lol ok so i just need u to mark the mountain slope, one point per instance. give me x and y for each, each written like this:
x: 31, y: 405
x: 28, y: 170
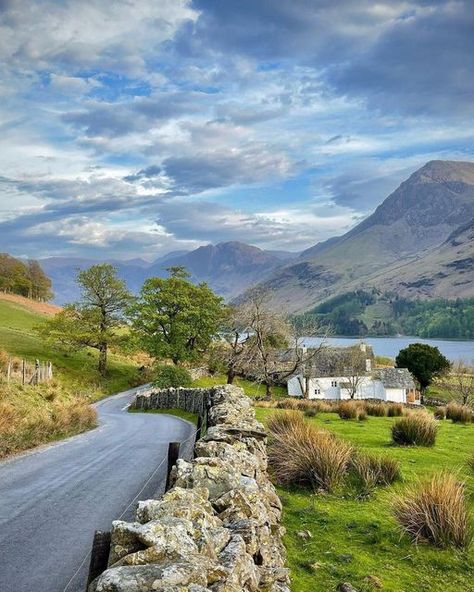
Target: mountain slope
x: 417, y: 217
x: 229, y: 268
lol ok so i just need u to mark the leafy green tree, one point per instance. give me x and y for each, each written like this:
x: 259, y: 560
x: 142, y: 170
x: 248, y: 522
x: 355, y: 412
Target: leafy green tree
x: 424, y: 361
x: 174, y: 318
x: 171, y: 376
x: 93, y: 320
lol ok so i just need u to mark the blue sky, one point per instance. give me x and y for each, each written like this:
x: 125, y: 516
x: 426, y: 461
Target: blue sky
x: 134, y: 128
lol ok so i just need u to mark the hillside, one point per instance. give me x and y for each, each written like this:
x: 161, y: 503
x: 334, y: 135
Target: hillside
x: 229, y: 268
x: 412, y: 226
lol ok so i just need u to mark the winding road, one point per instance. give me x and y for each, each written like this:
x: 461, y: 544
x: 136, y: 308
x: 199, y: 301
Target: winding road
x: 54, y: 498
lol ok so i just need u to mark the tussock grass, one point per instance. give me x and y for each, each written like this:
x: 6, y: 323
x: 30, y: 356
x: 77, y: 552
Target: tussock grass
x: 395, y: 410
x: 352, y: 410
x: 301, y: 454
x: 439, y: 413
x: 435, y: 511
x: 376, y: 409
x: 418, y: 428
x: 459, y: 413
x: 372, y: 470
x: 30, y: 416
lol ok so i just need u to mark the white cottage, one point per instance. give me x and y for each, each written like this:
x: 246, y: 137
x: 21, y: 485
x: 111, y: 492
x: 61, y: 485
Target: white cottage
x: 332, y: 379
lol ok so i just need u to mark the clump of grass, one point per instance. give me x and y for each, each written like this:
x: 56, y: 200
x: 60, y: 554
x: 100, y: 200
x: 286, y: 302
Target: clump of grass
x: 395, y: 410
x: 439, y: 413
x: 348, y: 410
x: 417, y: 428
x: 376, y: 409
x: 301, y: 454
x: 459, y: 413
x: 361, y: 414
x: 436, y: 512
x: 372, y: 470
x: 310, y: 412
x: 288, y: 404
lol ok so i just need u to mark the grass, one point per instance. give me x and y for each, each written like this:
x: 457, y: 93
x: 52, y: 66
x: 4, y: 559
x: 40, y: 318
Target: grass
x: 76, y: 370
x: 251, y: 389
x: 355, y: 540
x: 191, y: 417
x: 418, y: 428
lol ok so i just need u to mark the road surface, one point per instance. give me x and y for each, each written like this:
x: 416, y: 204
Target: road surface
x: 53, y: 499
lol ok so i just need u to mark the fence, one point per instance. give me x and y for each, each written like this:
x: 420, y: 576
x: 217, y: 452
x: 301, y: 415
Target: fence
x: 16, y: 370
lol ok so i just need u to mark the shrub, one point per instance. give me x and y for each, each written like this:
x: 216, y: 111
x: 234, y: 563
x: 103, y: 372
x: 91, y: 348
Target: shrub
x: 436, y: 512
x: 299, y: 453
x: 376, y: 409
x: 348, y: 410
x: 395, y: 410
x: 171, y: 376
x: 372, y: 470
x: 417, y: 428
x: 458, y: 413
x: 439, y: 413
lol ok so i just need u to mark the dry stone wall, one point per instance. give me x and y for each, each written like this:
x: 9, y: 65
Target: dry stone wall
x: 217, y: 529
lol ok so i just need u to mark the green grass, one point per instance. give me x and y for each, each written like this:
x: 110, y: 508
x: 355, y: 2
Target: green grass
x: 191, y: 417
x: 76, y: 370
x: 354, y: 539
x: 251, y: 389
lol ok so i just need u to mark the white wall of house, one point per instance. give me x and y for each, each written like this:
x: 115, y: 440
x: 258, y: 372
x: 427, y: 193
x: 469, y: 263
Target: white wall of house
x: 330, y: 388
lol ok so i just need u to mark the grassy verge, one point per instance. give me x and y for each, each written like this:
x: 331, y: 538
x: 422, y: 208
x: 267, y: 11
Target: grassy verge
x: 191, y: 417
x: 251, y: 389
x: 357, y: 540
x: 29, y: 415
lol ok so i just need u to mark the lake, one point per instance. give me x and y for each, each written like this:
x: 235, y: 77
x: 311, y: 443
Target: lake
x: 390, y: 346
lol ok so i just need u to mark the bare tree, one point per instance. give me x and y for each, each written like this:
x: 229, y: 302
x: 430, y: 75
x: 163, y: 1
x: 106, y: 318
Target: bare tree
x: 353, y: 368
x: 460, y: 380
x: 234, y: 352
x: 276, y: 344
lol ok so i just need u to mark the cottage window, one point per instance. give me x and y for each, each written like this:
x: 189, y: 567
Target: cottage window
x: 317, y: 391
x: 333, y: 382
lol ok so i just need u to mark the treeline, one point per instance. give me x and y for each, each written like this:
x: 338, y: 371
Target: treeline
x: 353, y: 314
x: 25, y: 279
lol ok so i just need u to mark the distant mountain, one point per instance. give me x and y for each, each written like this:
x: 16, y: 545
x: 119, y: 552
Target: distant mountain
x: 229, y: 268
x: 410, y: 228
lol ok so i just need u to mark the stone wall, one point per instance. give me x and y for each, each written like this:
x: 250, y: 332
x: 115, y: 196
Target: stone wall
x: 194, y: 400
x: 217, y: 529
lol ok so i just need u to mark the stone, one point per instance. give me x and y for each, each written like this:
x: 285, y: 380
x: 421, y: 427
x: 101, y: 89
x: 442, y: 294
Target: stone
x: 345, y: 587
x: 304, y: 534
x: 374, y: 582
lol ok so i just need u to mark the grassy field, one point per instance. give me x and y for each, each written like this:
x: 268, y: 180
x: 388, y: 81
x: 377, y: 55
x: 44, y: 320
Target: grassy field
x: 76, y: 370
x: 192, y: 417
x: 357, y: 540
x: 251, y: 389
x: 32, y: 415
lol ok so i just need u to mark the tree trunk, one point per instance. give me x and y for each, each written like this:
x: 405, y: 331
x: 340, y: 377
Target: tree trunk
x: 268, y: 391
x: 103, y: 359
x: 230, y: 376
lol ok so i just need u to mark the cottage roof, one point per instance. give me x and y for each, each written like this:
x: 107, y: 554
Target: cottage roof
x: 395, y: 377
x: 338, y: 361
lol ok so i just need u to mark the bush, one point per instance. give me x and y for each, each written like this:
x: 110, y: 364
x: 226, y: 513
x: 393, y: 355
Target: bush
x: 171, y: 376
x: 301, y: 454
x: 348, y: 410
x: 418, y: 428
x: 372, y: 470
x: 436, y: 512
x: 440, y: 413
x: 376, y: 409
x: 395, y: 410
x: 459, y: 413
x: 310, y: 412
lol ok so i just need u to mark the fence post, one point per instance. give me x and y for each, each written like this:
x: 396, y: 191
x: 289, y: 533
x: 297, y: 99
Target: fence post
x: 173, y: 455
x: 23, y: 372
x: 37, y: 370
x: 9, y: 369
x: 99, y: 555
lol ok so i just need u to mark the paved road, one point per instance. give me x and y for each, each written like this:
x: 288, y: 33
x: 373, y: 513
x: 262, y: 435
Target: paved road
x: 53, y: 499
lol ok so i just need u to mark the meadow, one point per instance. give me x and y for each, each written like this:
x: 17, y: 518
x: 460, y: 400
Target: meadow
x: 33, y: 415
x: 346, y: 537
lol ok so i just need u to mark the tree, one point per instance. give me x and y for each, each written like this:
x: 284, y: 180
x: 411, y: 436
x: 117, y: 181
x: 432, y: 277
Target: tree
x: 174, y: 318
x: 234, y: 352
x: 460, y: 381
x: 40, y: 284
x: 276, y: 345
x: 353, y: 368
x: 425, y: 362
x: 94, y: 319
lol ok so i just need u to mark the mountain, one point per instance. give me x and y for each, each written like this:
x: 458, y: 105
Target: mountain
x: 411, y: 228
x: 229, y: 268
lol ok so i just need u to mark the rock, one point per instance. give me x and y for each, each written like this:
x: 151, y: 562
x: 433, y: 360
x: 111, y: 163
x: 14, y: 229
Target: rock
x: 304, y: 534
x: 374, y: 581
x: 345, y: 587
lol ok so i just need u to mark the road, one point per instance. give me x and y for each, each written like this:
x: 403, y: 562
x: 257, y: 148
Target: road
x: 52, y: 499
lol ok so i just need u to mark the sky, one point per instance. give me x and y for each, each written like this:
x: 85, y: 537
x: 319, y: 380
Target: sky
x: 137, y: 127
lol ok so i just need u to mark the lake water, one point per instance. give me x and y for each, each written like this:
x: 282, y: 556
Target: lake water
x: 390, y: 346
